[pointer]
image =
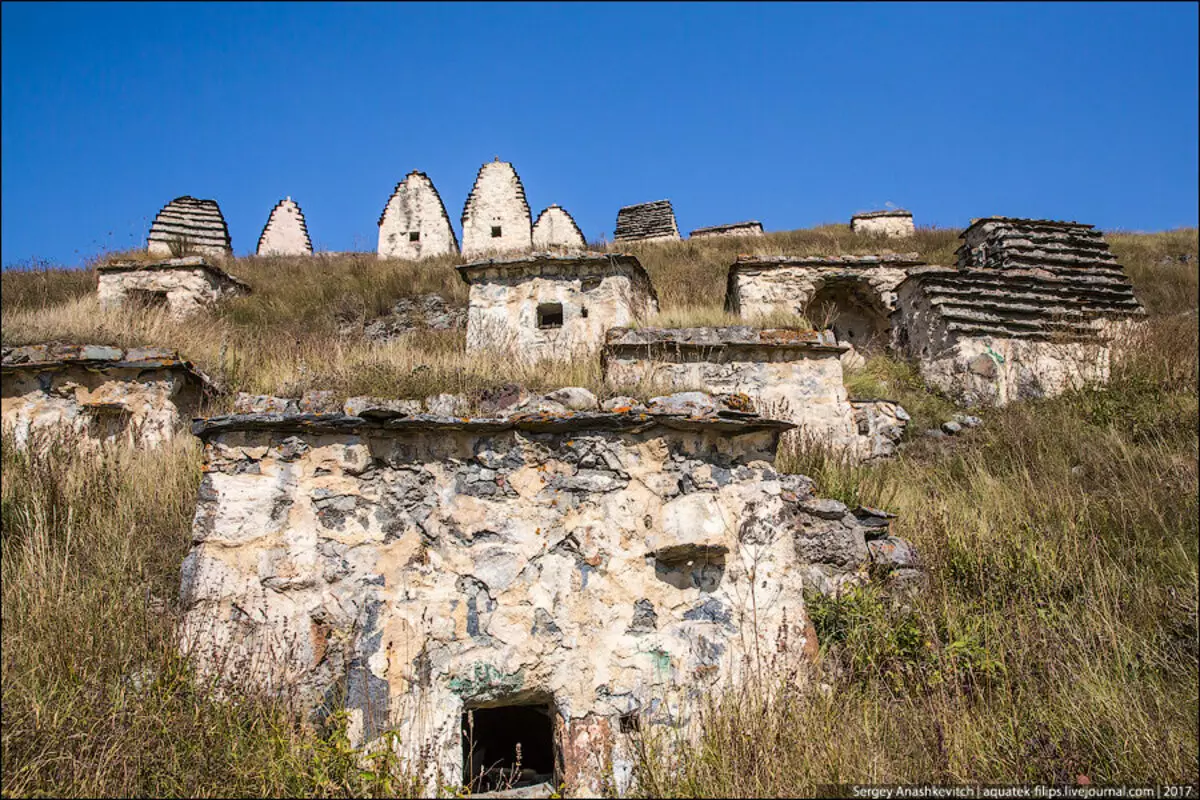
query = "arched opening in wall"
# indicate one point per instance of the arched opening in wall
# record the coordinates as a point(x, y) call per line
point(509, 747)
point(853, 310)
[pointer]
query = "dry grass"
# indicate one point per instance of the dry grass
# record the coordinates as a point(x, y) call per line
point(1057, 637)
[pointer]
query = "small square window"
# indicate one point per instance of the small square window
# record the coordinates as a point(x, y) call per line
point(630, 723)
point(414, 236)
point(550, 315)
point(495, 231)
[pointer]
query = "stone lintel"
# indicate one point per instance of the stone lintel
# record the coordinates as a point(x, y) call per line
point(894, 260)
point(171, 264)
point(552, 264)
point(731, 338)
point(538, 422)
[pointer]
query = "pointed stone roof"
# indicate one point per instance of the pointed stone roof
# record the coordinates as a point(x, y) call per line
point(198, 222)
point(555, 227)
point(286, 233)
point(415, 207)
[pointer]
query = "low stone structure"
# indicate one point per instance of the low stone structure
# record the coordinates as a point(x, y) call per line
point(851, 294)
point(552, 579)
point(547, 305)
point(1029, 313)
point(647, 222)
point(414, 223)
point(556, 229)
point(187, 226)
point(893, 223)
point(182, 285)
point(142, 396)
point(750, 228)
point(788, 374)
point(495, 218)
point(286, 233)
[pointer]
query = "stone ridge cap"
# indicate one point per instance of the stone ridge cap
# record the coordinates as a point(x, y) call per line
point(168, 264)
point(886, 212)
point(906, 259)
point(1056, 223)
point(631, 421)
point(51, 355)
point(726, 225)
point(725, 336)
point(532, 259)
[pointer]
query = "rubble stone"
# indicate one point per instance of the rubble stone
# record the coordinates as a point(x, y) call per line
point(182, 285)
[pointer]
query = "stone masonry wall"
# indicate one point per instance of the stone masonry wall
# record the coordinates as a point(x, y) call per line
point(556, 229)
point(510, 301)
point(412, 567)
point(495, 218)
point(791, 375)
point(751, 228)
point(414, 223)
point(893, 224)
point(646, 222)
point(143, 396)
point(183, 285)
point(197, 225)
point(286, 233)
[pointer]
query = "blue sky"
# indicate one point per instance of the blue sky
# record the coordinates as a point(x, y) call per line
point(792, 114)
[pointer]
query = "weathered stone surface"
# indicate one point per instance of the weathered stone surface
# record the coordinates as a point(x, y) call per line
point(286, 232)
point(554, 306)
point(495, 218)
point(142, 395)
point(790, 374)
point(647, 222)
point(555, 229)
point(599, 563)
point(264, 404)
point(574, 398)
point(447, 405)
point(853, 295)
point(410, 314)
point(1029, 312)
point(186, 225)
point(750, 228)
point(414, 223)
point(368, 407)
point(182, 285)
point(892, 223)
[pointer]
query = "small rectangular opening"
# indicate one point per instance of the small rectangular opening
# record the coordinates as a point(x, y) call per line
point(508, 747)
point(583, 312)
point(147, 298)
point(630, 723)
point(414, 236)
point(550, 315)
point(495, 231)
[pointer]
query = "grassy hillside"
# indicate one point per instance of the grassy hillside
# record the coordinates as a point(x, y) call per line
point(1058, 636)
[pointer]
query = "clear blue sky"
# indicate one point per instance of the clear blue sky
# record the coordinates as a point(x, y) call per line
point(792, 114)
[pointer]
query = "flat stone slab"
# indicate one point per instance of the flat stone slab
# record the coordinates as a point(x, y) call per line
point(53, 356)
point(172, 264)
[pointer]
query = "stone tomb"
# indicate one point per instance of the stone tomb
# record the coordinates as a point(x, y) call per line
point(751, 228)
point(788, 374)
point(189, 226)
point(557, 580)
point(851, 294)
point(892, 223)
point(495, 218)
point(285, 233)
point(547, 305)
point(647, 222)
point(142, 396)
point(182, 285)
point(1030, 312)
point(414, 223)
point(556, 229)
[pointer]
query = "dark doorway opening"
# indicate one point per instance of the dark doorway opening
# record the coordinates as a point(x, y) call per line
point(550, 315)
point(853, 310)
point(147, 298)
point(508, 747)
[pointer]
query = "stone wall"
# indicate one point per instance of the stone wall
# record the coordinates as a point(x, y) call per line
point(646, 222)
point(414, 223)
point(142, 396)
point(751, 228)
point(894, 223)
point(612, 568)
point(189, 226)
point(182, 285)
point(788, 374)
point(495, 218)
point(286, 233)
point(549, 305)
point(556, 229)
point(851, 294)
